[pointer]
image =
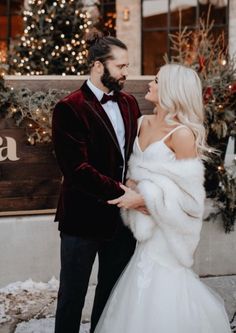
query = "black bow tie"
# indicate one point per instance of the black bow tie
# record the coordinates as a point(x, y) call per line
point(106, 98)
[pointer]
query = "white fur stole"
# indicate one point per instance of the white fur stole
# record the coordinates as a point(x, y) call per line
point(174, 195)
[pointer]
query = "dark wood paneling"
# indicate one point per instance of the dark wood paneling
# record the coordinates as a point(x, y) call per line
point(32, 171)
point(30, 187)
point(14, 204)
point(33, 181)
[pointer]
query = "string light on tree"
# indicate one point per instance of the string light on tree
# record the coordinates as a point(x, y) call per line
point(53, 28)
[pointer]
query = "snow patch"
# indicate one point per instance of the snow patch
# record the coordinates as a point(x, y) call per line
point(3, 317)
point(30, 285)
point(43, 326)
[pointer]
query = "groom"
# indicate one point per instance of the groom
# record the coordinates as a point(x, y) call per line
point(93, 133)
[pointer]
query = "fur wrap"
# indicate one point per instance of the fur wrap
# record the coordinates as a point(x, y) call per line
point(174, 195)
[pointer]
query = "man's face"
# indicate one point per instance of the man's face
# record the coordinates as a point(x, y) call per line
point(116, 70)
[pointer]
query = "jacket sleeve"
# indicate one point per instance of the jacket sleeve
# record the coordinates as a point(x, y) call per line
point(70, 137)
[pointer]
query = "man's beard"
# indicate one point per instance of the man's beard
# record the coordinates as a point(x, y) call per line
point(110, 82)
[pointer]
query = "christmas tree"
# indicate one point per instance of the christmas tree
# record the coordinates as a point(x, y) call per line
point(53, 40)
point(209, 57)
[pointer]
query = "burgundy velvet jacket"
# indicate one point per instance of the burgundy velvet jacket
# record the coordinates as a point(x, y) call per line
point(90, 159)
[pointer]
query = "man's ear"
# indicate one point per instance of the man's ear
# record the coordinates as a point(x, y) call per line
point(98, 66)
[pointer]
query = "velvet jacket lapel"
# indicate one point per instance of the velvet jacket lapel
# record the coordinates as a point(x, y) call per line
point(125, 112)
point(95, 105)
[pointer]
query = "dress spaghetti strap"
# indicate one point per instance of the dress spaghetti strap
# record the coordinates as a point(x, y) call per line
point(172, 131)
point(140, 119)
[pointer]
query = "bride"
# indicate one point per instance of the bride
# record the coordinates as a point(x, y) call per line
point(163, 204)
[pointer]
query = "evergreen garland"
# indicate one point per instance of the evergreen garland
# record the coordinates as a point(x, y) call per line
point(30, 110)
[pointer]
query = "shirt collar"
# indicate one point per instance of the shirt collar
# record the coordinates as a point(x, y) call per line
point(97, 92)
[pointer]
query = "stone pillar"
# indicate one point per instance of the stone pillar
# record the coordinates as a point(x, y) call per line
point(26, 5)
point(232, 27)
point(129, 31)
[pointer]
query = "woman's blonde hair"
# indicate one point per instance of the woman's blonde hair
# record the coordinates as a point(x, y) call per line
point(180, 95)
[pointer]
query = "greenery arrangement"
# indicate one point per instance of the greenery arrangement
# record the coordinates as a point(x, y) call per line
point(209, 57)
point(30, 110)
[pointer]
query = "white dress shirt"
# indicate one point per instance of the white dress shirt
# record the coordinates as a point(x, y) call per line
point(113, 112)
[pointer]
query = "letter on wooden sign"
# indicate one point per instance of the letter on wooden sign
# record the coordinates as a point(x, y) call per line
point(8, 151)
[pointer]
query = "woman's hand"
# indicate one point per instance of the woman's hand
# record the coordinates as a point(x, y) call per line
point(129, 200)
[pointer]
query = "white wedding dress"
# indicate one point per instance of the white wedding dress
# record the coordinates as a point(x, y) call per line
point(155, 293)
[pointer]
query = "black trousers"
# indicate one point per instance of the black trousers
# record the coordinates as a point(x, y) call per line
point(77, 258)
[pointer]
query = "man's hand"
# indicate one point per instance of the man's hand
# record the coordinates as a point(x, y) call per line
point(130, 200)
point(133, 185)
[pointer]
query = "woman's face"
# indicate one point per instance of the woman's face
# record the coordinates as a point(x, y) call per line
point(152, 94)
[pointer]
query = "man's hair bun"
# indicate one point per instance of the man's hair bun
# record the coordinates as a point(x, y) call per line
point(99, 46)
point(93, 37)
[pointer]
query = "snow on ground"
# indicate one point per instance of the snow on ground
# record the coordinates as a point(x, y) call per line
point(29, 307)
point(30, 285)
point(43, 326)
point(36, 325)
point(23, 301)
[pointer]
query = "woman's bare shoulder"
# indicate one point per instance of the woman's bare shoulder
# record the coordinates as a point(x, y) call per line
point(183, 133)
point(183, 143)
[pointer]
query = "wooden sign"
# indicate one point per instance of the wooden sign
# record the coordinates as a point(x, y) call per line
point(29, 175)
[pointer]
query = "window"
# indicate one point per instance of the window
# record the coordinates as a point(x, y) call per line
point(107, 10)
point(11, 24)
point(162, 17)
